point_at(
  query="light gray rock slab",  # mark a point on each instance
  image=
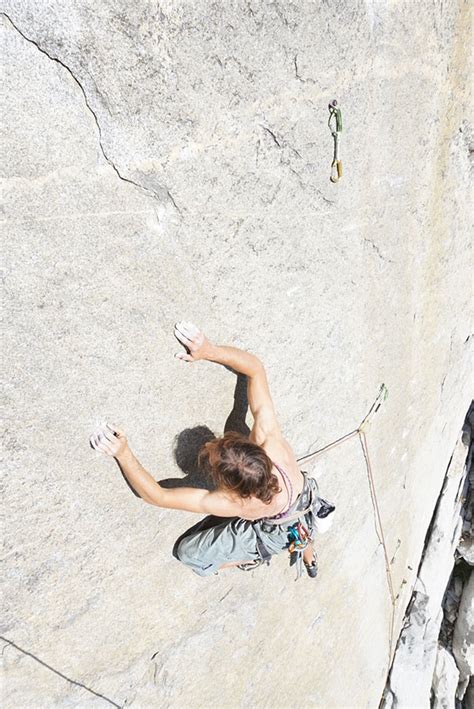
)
(34, 683)
(445, 680)
(466, 550)
(466, 545)
(411, 675)
(463, 637)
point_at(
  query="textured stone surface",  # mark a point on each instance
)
(445, 680)
(463, 638)
(466, 545)
(412, 672)
(172, 160)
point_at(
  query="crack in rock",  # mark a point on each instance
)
(325, 199)
(272, 134)
(108, 159)
(57, 672)
(282, 144)
(298, 75)
(377, 250)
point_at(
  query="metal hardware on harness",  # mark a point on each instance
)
(298, 538)
(335, 117)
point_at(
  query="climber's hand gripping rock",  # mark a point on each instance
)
(196, 344)
(109, 440)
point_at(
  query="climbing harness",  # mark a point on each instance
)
(300, 523)
(335, 118)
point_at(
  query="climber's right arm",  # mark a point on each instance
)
(198, 347)
(260, 401)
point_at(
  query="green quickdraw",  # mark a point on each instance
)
(335, 118)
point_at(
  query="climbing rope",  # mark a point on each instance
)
(360, 432)
(335, 118)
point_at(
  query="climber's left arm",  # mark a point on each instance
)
(113, 442)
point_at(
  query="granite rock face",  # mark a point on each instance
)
(424, 668)
(445, 680)
(463, 638)
(171, 160)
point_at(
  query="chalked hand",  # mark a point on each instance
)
(109, 440)
(193, 340)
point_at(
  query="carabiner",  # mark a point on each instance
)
(336, 171)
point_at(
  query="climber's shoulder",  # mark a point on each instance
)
(273, 443)
(264, 435)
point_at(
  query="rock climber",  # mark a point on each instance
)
(262, 503)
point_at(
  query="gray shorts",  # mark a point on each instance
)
(215, 541)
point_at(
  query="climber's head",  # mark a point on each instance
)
(240, 467)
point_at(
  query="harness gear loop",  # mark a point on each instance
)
(335, 117)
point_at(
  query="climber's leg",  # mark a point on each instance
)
(215, 543)
(310, 561)
(308, 554)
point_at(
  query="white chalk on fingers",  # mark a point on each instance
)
(182, 325)
(182, 337)
(108, 435)
(192, 327)
(189, 335)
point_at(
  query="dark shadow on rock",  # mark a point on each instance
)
(128, 483)
(236, 418)
(187, 445)
(189, 442)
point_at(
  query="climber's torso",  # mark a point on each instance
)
(290, 480)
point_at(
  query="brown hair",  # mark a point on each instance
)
(240, 466)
